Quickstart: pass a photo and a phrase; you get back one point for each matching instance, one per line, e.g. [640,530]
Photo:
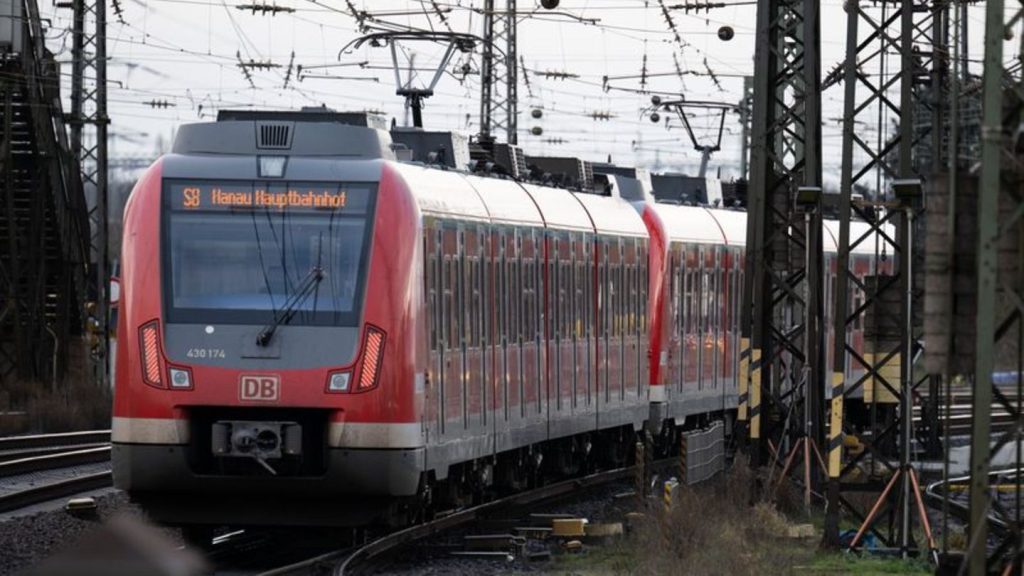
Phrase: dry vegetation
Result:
[713,530]
[75,403]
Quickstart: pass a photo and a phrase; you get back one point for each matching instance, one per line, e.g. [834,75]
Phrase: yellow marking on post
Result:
[744,383]
[874,390]
[835,436]
[755,393]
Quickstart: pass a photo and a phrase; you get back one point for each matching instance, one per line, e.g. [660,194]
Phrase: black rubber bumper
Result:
[356,486]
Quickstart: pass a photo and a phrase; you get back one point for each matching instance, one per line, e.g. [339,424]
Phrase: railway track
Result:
[20,447]
[37,469]
[955,492]
[353,560]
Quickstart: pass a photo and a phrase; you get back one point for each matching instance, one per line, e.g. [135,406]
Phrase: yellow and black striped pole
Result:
[755,394]
[682,459]
[639,477]
[744,381]
[835,429]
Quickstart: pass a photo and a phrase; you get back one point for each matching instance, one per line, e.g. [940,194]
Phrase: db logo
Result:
[260,388]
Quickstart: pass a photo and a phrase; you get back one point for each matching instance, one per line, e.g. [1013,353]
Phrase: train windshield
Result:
[244,252]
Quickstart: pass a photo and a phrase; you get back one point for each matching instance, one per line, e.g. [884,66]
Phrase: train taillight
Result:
[373,355]
[149,338]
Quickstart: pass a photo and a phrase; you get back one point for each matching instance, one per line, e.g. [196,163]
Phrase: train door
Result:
[565,316]
[691,334]
[498,304]
[514,337]
[630,364]
[475,400]
[554,319]
[733,335]
[676,331]
[452,368]
[602,319]
[613,313]
[642,315]
[701,316]
[586,333]
[718,306]
[533,358]
[432,292]
[578,329]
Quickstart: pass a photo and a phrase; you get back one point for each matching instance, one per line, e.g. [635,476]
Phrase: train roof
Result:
[560,208]
[612,214]
[691,224]
[466,196]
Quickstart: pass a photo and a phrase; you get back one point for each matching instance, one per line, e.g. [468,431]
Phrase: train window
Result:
[499,279]
[613,294]
[448,301]
[529,264]
[429,287]
[473,294]
[512,265]
[582,290]
[240,266]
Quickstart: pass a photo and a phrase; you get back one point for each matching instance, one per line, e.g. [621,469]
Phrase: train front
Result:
[267,364]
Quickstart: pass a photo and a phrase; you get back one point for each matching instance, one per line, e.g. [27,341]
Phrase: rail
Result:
[349,561]
[10,443]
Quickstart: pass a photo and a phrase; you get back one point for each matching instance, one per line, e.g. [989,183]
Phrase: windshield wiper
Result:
[311,282]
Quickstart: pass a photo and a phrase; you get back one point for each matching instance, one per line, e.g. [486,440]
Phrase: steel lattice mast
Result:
[499,73]
[784,329]
[89,121]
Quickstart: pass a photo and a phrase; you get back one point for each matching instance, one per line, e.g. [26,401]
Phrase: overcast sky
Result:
[182,54]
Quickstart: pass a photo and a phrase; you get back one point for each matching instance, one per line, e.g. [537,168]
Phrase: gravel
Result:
[27,540]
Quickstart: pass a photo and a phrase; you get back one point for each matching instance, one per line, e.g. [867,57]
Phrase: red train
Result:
[312,332]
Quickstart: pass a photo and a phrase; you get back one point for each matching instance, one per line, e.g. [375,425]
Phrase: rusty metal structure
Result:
[44,232]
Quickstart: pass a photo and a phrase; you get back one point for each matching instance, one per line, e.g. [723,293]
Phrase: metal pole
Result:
[744,108]
[813,312]
[487,72]
[906,392]
[511,74]
[77,74]
[906,258]
[988,231]
[103,257]
[954,161]
[842,295]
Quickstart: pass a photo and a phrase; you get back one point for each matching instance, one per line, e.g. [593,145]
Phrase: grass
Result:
[841,563]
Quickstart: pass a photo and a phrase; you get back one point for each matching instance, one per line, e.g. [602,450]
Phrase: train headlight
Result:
[339,382]
[180,379]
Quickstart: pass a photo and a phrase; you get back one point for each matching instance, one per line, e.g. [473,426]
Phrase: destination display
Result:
[206,196]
